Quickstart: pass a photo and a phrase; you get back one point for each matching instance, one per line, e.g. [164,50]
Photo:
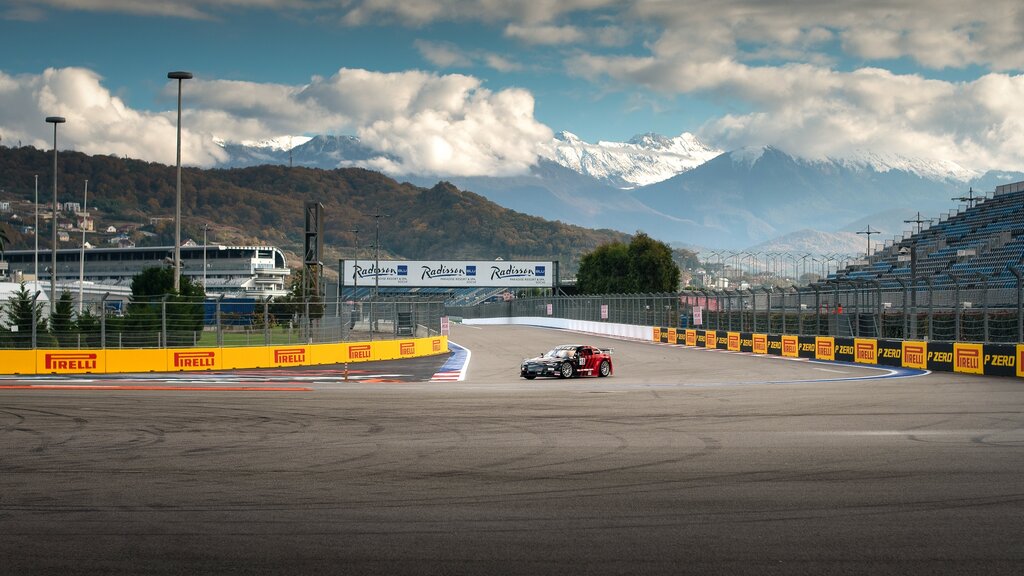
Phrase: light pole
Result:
[868,231]
[35,254]
[376,277]
[206,228]
[179,76]
[53,253]
[81,253]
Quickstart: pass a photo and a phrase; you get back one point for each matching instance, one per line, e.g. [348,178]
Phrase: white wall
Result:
[585,326]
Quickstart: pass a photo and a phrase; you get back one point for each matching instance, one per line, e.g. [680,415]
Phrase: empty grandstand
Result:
[982,243]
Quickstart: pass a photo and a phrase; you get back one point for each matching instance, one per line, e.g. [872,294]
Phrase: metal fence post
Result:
[984,307]
[103,320]
[35,320]
[1020,302]
[956,307]
[220,323]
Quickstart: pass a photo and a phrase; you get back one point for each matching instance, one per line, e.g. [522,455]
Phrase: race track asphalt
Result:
[685,461]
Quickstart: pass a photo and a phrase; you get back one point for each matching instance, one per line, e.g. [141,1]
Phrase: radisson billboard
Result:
[449,274]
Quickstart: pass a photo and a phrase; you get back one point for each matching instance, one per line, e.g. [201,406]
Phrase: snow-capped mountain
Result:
[326,152]
[680,190]
[645,159]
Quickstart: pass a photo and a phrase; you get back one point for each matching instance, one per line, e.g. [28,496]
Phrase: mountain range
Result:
[682,191]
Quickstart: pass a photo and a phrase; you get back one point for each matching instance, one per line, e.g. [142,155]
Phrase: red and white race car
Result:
[568,361]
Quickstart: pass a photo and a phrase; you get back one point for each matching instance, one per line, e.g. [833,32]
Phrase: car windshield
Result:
[558,353]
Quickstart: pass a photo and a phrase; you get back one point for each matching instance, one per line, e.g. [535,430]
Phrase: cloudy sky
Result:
[468,87]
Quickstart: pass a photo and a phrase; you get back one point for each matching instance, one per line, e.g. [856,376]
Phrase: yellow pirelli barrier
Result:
[1020,360]
[865,351]
[967,358]
[760,343]
[194,359]
[691,337]
[711,339]
[915,355]
[672,336]
[19,361]
[825,348]
[71,361]
[790,346]
[138,360]
[733,341]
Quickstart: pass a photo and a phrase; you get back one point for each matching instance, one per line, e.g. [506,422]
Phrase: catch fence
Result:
[163,323]
[969,313]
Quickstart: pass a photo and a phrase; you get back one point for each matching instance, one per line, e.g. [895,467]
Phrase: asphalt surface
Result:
[684,461]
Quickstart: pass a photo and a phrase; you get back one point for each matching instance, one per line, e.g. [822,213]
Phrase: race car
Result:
[568,361]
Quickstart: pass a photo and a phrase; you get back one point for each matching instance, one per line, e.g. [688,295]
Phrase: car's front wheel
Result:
[566,370]
[604,369]
[529,376]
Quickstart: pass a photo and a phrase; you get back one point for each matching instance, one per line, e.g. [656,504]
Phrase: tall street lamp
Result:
[35,254]
[206,228]
[53,253]
[81,253]
[179,76]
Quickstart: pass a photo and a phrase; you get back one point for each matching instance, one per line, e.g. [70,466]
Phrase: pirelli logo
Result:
[760,343]
[865,351]
[407,348]
[790,346]
[710,340]
[360,352]
[1020,360]
[195,359]
[435,345]
[967,358]
[656,334]
[289,355]
[672,337]
[734,341]
[70,361]
[915,355]
[691,337]
[825,348]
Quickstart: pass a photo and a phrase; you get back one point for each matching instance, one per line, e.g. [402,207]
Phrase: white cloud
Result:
[443,54]
[538,34]
[444,125]
[97,122]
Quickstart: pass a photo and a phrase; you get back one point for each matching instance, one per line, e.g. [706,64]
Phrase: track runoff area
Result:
[685,461]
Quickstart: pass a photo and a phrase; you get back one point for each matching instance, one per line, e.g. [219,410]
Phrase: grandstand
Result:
[979,243]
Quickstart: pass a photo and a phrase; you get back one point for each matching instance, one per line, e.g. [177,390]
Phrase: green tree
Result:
[651,266]
[293,306]
[62,325]
[152,298]
[88,326]
[18,313]
[644,265]
[605,270]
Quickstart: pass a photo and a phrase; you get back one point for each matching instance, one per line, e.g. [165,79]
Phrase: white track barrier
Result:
[585,326]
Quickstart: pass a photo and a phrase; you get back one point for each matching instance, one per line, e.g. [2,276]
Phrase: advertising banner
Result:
[890,353]
[746,342]
[711,339]
[1001,360]
[760,343]
[940,356]
[775,344]
[790,346]
[448,273]
[691,337]
[698,316]
[672,336]
[844,350]
[733,343]
[865,351]
[967,358]
[808,346]
[825,348]
[915,355]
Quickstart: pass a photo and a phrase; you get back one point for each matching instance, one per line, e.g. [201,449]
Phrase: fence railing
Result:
[968,314]
[172,324]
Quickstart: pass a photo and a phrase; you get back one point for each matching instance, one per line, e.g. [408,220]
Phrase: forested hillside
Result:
[265,204]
